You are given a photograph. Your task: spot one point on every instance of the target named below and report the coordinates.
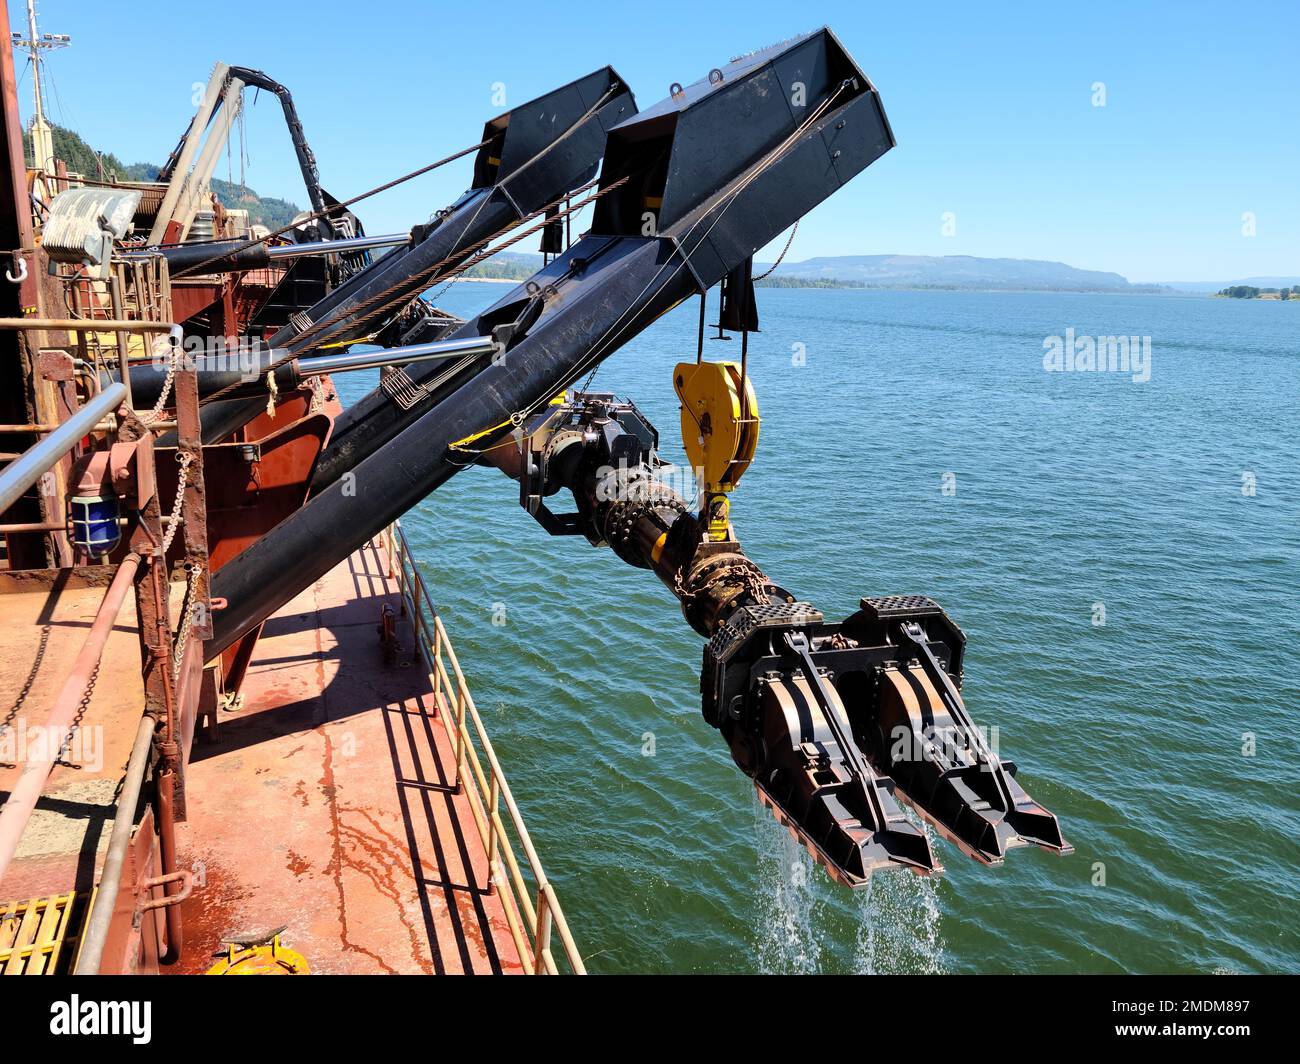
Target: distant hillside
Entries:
(947, 271)
(1211, 287)
(889, 271)
(268, 211)
(508, 265)
(80, 156)
(105, 166)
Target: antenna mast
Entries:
(42, 136)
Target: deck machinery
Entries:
(834, 722)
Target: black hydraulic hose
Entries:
(306, 158)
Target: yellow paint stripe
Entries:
(658, 548)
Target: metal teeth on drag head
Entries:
(820, 788)
(986, 836)
(944, 768)
(853, 853)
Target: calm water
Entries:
(1072, 490)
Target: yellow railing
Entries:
(532, 910)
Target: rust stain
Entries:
(404, 870)
(338, 861)
(213, 911)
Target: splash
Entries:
(899, 926)
(787, 941)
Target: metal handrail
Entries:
(531, 914)
(91, 953)
(41, 457)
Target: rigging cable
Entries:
(594, 357)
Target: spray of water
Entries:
(787, 943)
(899, 926)
(800, 915)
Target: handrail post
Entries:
(494, 803)
(543, 942)
(460, 734)
(437, 662)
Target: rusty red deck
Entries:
(325, 804)
(44, 618)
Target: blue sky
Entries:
(992, 105)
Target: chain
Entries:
(195, 570)
(169, 533)
(768, 272)
(76, 721)
(26, 688)
(154, 414)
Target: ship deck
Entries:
(325, 803)
(44, 618)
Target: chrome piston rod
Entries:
(243, 374)
(336, 247)
(436, 349)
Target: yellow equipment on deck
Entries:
(720, 430)
(260, 955)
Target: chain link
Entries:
(74, 727)
(182, 477)
(194, 570)
(156, 413)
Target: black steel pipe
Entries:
(606, 289)
(244, 371)
(350, 511)
(536, 153)
(233, 256)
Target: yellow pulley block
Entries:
(720, 430)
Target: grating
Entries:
(36, 935)
(887, 607)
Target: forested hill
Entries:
(104, 166)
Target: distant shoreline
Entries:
(1135, 291)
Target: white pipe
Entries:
(212, 148)
(180, 174)
(435, 349)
